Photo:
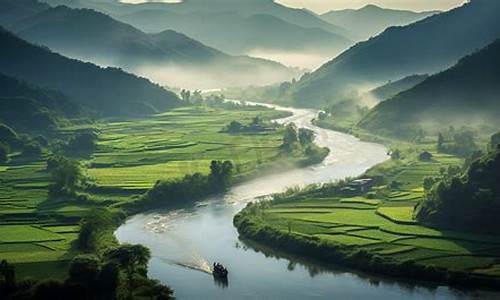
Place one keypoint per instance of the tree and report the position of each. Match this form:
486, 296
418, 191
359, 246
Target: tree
220, 174
67, 175
7, 277
131, 258
290, 137
83, 142
7, 135
84, 270
440, 142
32, 149
395, 154
109, 277
234, 126
92, 225
185, 95
4, 153
306, 136
494, 141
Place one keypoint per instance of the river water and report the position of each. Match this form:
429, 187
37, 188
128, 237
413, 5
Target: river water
184, 243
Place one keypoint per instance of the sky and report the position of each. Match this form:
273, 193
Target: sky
321, 6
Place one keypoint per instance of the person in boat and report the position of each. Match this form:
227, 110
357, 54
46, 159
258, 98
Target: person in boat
219, 269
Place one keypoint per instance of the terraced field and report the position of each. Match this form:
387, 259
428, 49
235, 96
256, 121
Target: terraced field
37, 234
133, 155
385, 226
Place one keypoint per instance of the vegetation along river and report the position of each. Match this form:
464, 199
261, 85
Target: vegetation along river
185, 242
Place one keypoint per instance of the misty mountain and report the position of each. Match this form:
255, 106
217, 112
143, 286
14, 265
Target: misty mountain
14, 10
236, 26
464, 95
393, 88
425, 47
371, 20
92, 36
109, 91
27, 107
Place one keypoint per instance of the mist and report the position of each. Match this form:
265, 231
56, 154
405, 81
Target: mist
213, 76
299, 59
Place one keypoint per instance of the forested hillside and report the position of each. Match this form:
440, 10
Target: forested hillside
425, 47
466, 94
109, 91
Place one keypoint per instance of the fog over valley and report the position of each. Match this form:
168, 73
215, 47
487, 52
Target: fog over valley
249, 149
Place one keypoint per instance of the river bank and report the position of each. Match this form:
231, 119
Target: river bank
373, 230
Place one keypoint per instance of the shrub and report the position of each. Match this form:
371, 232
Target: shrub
32, 149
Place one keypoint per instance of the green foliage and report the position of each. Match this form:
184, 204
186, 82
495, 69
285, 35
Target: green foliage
67, 175
7, 135
83, 142
306, 136
32, 149
96, 226
4, 152
290, 138
467, 201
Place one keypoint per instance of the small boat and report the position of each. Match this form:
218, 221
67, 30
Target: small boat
219, 271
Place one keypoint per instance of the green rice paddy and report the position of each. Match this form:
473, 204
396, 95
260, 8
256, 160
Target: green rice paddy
38, 234
385, 226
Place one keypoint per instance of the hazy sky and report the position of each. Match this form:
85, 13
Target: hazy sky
321, 6
325, 5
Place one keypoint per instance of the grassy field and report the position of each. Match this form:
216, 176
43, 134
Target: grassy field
384, 224
38, 234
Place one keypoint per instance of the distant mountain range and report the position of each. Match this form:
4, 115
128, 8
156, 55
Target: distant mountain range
464, 95
233, 26
108, 91
425, 47
92, 36
371, 20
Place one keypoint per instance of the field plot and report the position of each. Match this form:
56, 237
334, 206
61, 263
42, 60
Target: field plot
38, 234
133, 155
386, 226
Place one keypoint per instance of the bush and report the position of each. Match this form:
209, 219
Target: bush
32, 149
4, 153
7, 135
83, 142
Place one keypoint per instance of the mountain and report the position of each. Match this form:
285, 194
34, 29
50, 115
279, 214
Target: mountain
464, 95
393, 88
371, 20
234, 26
425, 47
93, 36
27, 107
14, 10
109, 91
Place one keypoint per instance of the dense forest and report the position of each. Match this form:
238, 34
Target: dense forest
469, 200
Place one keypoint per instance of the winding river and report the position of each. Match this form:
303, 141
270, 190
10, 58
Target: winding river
184, 242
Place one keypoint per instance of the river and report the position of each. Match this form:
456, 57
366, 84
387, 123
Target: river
183, 243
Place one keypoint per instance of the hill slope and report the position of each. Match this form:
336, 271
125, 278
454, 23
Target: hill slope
427, 46
107, 90
230, 25
92, 36
27, 107
466, 94
469, 201
393, 88
371, 20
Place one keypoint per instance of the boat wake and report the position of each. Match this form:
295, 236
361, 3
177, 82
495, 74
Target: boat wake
198, 263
